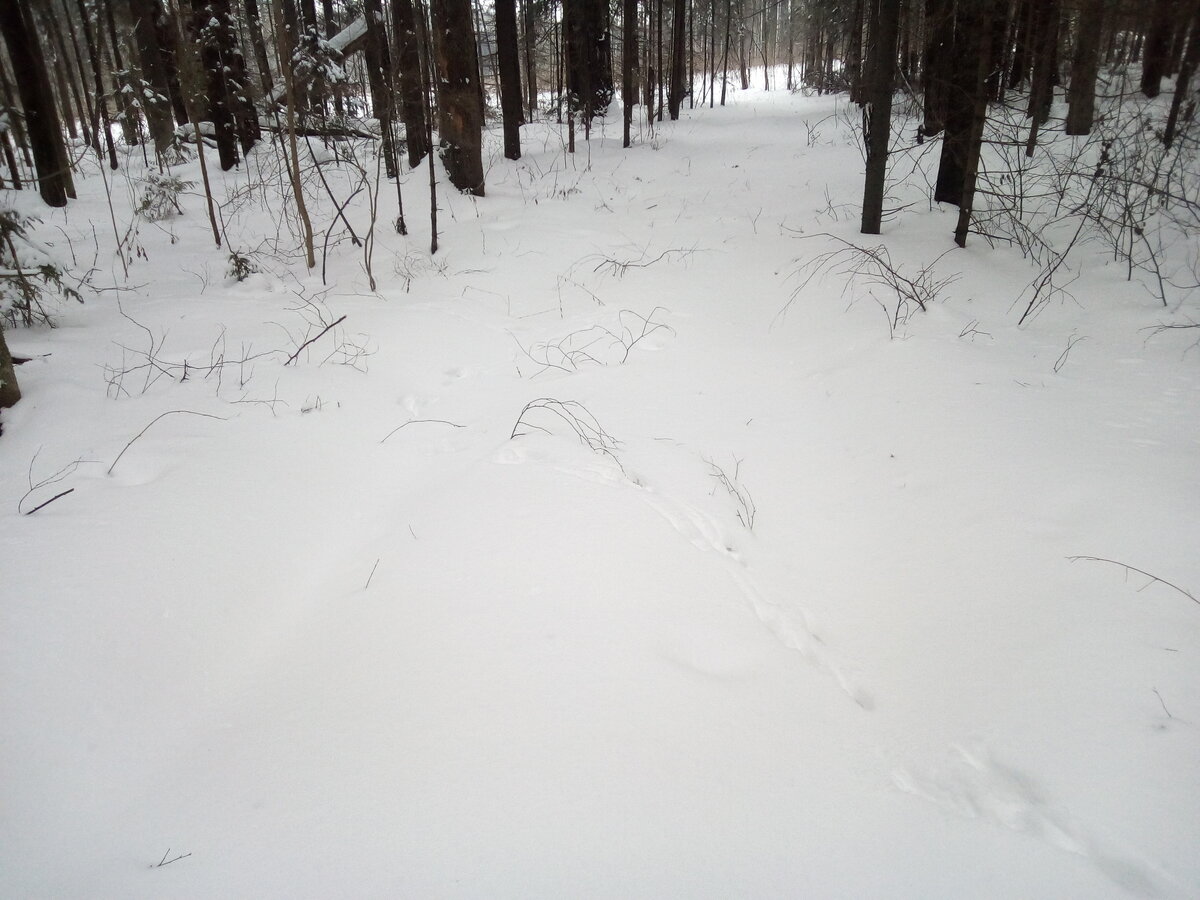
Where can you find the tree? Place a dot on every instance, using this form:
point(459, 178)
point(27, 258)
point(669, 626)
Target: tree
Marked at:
point(1085, 66)
point(678, 89)
point(937, 59)
point(878, 94)
point(378, 65)
point(10, 392)
point(37, 100)
point(155, 89)
point(589, 57)
point(460, 118)
point(510, 76)
point(412, 80)
point(629, 62)
point(1187, 68)
point(227, 106)
point(1157, 51)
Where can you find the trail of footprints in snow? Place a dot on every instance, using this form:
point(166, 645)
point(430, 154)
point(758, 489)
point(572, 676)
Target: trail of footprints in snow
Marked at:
point(975, 786)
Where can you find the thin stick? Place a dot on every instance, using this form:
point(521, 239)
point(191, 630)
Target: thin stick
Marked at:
point(48, 502)
point(1129, 568)
point(421, 422)
point(1162, 702)
point(372, 575)
point(291, 359)
point(152, 421)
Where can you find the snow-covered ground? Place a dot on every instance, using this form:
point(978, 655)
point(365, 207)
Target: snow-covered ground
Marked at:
point(759, 601)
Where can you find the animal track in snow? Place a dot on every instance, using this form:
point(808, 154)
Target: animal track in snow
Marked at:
point(973, 785)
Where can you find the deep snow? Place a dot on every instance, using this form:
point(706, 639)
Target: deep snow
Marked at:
point(354, 639)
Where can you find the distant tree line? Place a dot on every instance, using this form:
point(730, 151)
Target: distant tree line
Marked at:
point(78, 76)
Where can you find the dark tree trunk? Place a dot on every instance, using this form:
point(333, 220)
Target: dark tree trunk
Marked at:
point(937, 63)
point(878, 95)
point(378, 61)
point(678, 89)
point(854, 52)
point(254, 26)
point(1022, 41)
point(10, 393)
point(68, 73)
point(589, 55)
point(130, 124)
point(510, 76)
point(1085, 66)
point(1187, 68)
point(460, 123)
point(529, 14)
point(101, 102)
point(168, 46)
point(629, 52)
point(212, 30)
point(1157, 51)
point(412, 81)
point(981, 50)
point(37, 100)
point(146, 16)
point(966, 88)
point(1044, 39)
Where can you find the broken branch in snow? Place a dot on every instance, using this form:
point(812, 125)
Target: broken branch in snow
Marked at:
point(166, 862)
point(1128, 568)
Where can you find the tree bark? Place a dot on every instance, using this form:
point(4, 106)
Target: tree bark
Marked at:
point(156, 90)
point(412, 99)
point(1157, 50)
point(589, 54)
point(378, 62)
point(1187, 68)
point(10, 392)
point(460, 122)
point(510, 76)
point(936, 63)
point(37, 100)
point(879, 110)
point(1085, 66)
point(629, 61)
point(677, 89)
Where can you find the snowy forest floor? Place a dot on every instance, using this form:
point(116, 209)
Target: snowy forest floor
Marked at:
point(761, 599)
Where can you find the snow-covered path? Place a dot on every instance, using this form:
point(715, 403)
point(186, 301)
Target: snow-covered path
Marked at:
point(357, 640)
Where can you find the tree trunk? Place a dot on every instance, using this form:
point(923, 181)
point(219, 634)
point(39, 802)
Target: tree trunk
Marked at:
point(510, 76)
point(10, 392)
point(101, 101)
point(130, 124)
point(459, 121)
point(589, 57)
point(254, 25)
point(979, 20)
point(37, 101)
point(155, 90)
point(1044, 39)
point(1085, 66)
point(678, 59)
point(1187, 68)
point(629, 53)
point(529, 15)
point(378, 62)
point(959, 144)
point(878, 95)
point(937, 62)
point(412, 99)
point(1158, 46)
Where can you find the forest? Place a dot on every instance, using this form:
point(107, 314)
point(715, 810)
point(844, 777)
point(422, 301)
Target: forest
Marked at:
point(554, 448)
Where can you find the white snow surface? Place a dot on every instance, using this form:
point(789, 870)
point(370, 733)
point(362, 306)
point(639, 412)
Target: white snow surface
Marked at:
point(351, 638)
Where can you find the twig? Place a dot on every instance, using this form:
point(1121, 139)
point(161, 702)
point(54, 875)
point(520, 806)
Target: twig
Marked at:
point(1161, 701)
point(291, 359)
point(1128, 568)
point(372, 575)
point(169, 412)
point(48, 502)
point(420, 422)
point(166, 862)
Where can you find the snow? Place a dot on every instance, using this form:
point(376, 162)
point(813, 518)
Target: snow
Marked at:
point(342, 635)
